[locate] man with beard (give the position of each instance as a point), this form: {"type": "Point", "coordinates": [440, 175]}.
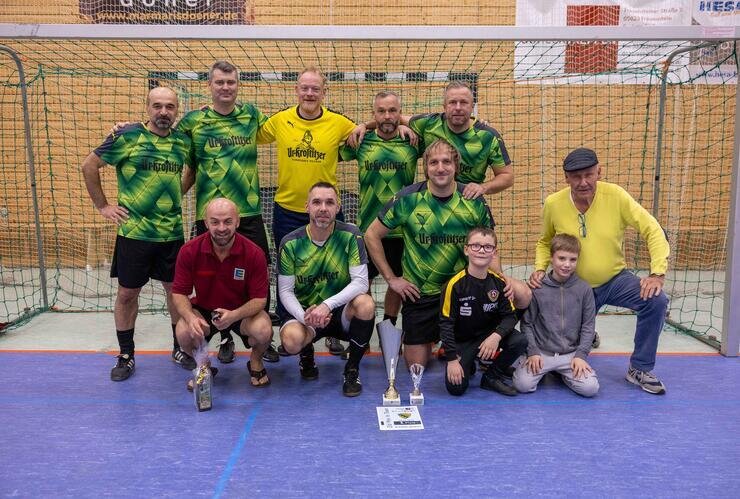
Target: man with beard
{"type": "Point", "coordinates": [224, 164]}
{"type": "Point", "coordinates": [386, 163]}
{"type": "Point", "coordinates": [229, 275]}
{"type": "Point", "coordinates": [478, 144]}
{"type": "Point", "coordinates": [149, 159]}
{"type": "Point", "coordinates": [322, 283]}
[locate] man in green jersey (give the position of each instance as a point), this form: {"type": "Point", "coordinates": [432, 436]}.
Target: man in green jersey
{"type": "Point", "coordinates": [386, 163]}
{"type": "Point", "coordinates": [478, 144]}
{"type": "Point", "coordinates": [322, 283]}
{"type": "Point", "coordinates": [434, 218]}
{"type": "Point", "coordinates": [149, 159]}
{"type": "Point", "coordinates": [224, 161]}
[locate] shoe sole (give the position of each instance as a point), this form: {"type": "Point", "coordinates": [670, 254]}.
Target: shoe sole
{"type": "Point", "coordinates": [352, 394]}
{"type": "Point", "coordinates": [644, 389]}
{"type": "Point", "coordinates": [309, 378]}
{"type": "Point", "coordinates": [123, 379]}
{"type": "Point", "coordinates": [226, 360]}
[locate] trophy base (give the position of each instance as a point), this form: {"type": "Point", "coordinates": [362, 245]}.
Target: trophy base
{"type": "Point", "coordinates": [391, 401]}
{"type": "Point", "coordinates": [416, 399]}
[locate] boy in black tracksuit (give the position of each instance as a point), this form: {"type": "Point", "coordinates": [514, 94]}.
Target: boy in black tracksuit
{"type": "Point", "coordinates": [476, 319]}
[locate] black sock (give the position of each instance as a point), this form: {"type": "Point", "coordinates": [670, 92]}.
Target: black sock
{"type": "Point", "coordinates": [175, 343]}
{"type": "Point", "coordinates": [360, 332]}
{"type": "Point", "coordinates": [393, 318]}
{"type": "Point", "coordinates": [126, 341]}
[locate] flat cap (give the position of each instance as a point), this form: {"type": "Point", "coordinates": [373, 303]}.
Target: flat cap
{"type": "Point", "coordinates": [580, 158]}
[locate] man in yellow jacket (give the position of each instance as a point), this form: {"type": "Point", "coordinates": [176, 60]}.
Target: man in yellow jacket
{"type": "Point", "coordinates": [598, 213]}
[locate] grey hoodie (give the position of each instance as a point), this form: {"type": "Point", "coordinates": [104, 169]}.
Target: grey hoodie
{"type": "Point", "coordinates": [561, 318]}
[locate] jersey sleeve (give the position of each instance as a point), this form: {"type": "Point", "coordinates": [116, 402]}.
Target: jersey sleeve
{"type": "Point", "coordinates": [266, 133]}
{"type": "Point", "coordinates": [542, 249]}
{"type": "Point", "coordinates": [113, 150]}
{"type": "Point", "coordinates": [346, 127]}
{"type": "Point", "coordinates": [286, 262]}
{"type": "Point", "coordinates": [498, 156]}
{"type": "Point", "coordinates": [347, 153]}
{"type": "Point", "coordinates": [357, 251]}
{"type": "Point", "coordinates": [390, 215]}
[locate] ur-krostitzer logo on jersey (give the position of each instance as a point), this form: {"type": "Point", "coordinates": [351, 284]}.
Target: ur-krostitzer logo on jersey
{"type": "Point", "coordinates": [305, 151]}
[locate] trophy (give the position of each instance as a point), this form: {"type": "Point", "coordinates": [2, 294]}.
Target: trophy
{"type": "Point", "coordinates": [390, 343]}
{"type": "Point", "coordinates": [202, 378]}
{"type": "Point", "coordinates": [416, 397]}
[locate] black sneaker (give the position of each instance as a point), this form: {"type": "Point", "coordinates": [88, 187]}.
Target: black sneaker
{"type": "Point", "coordinates": [308, 367]}
{"type": "Point", "coordinates": [184, 360]}
{"type": "Point", "coordinates": [494, 383]}
{"type": "Point", "coordinates": [596, 342]}
{"type": "Point", "coordinates": [271, 354]}
{"type": "Point", "coordinates": [282, 351]}
{"type": "Point", "coordinates": [125, 366]}
{"type": "Point", "coordinates": [352, 386]}
{"type": "Point", "coordinates": [226, 350]}
{"type": "Point", "coordinates": [334, 345]}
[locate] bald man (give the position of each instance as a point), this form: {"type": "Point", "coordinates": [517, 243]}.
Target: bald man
{"type": "Point", "coordinates": [149, 159]}
{"type": "Point", "coordinates": [229, 275]}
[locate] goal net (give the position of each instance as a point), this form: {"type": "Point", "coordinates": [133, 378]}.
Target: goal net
{"type": "Point", "coordinates": [545, 96]}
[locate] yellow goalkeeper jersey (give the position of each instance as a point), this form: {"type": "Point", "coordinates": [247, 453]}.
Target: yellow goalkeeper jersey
{"type": "Point", "coordinates": [307, 151]}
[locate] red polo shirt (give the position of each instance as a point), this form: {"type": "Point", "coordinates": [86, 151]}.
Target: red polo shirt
{"type": "Point", "coordinates": [241, 277]}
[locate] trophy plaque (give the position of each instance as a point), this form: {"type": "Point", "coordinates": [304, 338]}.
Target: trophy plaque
{"type": "Point", "coordinates": [390, 343]}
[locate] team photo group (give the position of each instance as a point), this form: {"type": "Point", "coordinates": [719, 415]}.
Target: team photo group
{"type": "Point", "coordinates": [432, 240]}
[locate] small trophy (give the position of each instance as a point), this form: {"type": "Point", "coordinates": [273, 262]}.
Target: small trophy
{"type": "Point", "coordinates": [390, 343]}
{"type": "Point", "coordinates": [202, 379]}
{"type": "Point", "coordinates": [416, 397]}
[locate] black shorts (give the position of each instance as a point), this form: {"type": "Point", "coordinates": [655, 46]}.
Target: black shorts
{"type": "Point", "coordinates": [421, 321]}
{"type": "Point", "coordinates": [234, 328]}
{"type": "Point", "coordinates": [334, 329]}
{"type": "Point", "coordinates": [393, 249]}
{"type": "Point", "coordinates": [135, 262]}
{"type": "Point", "coordinates": [253, 228]}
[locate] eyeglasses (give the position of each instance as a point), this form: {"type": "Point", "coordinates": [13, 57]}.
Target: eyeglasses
{"type": "Point", "coordinates": [487, 248]}
{"type": "Point", "coordinates": [582, 222]}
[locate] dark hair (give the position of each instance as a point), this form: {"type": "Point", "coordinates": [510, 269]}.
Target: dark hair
{"type": "Point", "coordinates": [483, 231]}
{"type": "Point", "coordinates": [326, 185]}
{"type": "Point", "coordinates": [565, 242]}
{"type": "Point", "coordinates": [224, 66]}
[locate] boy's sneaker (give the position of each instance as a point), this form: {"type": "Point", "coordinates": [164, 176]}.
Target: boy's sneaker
{"type": "Point", "coordinates": [226, 350]}
{"type": "Point", "coordinates": [352, 386]}
{"type": "Point", "coordinates": [334, 345]}
{"type": "Point", "coordinates": [493, 380]}
{"type": "Point", "coordinates": [271, 354]}
{"type": "Point", "coordinates": [596, 342]}
{"type": "Point", "coordinates": [645, 380]}
{"type": "Point", "coordinates": [308, 367]}
{"type": "Point", "coordinates": [184, 360]}
{"type": "Point", "coordinates": [124, 368]}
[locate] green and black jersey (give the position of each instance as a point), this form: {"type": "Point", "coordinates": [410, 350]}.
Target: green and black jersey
{"type": "Point", "coordinates": [224, 155]}
{"type": "Point", "coordinates": [480, 146]}
{"type": "Point", "coordinates": [434, 232]}
{"type": "Point", "coordinates": [321, 271]}
{"type": "Point", "coordinates": [384, 167]}
{"type": "Point", "coordinates": [149, 171]}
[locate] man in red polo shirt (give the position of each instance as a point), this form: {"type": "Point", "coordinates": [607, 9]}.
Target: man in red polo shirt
{"type": "Point", "coordinates": [229, 274]}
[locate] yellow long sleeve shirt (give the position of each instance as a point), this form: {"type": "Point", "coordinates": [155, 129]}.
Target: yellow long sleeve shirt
{"type": "Point", "coordinates": [602, 249]}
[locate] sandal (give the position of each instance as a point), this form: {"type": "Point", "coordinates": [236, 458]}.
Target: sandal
{"type": "Point", "coordinates": [256, 376]}
{"type": "Point", "coordinates": [214, 372]}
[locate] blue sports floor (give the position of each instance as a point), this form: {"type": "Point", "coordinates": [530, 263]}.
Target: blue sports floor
{"type": "Point", "coordinates": [67, 430]}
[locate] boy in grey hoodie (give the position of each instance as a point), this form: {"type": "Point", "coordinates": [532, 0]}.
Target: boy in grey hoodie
{"type": "Point", "coordinates": [559, 325]}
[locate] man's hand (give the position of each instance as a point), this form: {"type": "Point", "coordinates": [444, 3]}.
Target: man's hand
{"type": "Point", "coordinates": [198, 328]}
{"type": "Point", "coordinates": [225, 318]}
{"type": "Point", "coordinates": [455, 372]}
{"type": "Point", "coordinates": [580, 368]}
{"type": "Point", "coordinates": [355, 138]}
{"type": "Point", "coordinates": [473, 190]}
{"type": "Point", "coordinates": [534, 364]}
{"type": "Point", "coordinates": [535, 280]}
{"type": "Point", "coordinates": [651, 286]}
{"type": "Point", "coordinates": [114, 213]}
{"type": "Point", "coordinates": [119, 125]}
{"type": "Point", "coordinates": [489, 347]}
{"type": "Point", "coordinates": [406, 133]}
{"type": "Point", "coordinates": [317, 316]}
{"type": "Point", "coordinates": [404, 288]}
